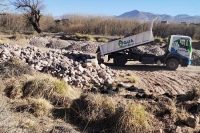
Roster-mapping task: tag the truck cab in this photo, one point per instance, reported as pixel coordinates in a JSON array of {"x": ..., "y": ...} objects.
[{"x": 179, "y": 52}]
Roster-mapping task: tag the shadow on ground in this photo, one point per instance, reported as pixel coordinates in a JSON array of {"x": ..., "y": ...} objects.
[{"x": 137, "y": 67}]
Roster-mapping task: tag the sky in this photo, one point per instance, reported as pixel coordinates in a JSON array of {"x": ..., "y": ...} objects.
[{"x": 117, "y": 7}]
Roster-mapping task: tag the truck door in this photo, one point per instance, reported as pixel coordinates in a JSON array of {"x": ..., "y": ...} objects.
[{"x": 182, "y": 46}]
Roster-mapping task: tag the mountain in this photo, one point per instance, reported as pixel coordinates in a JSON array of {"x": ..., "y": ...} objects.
[{"x": 146, "y": 16}]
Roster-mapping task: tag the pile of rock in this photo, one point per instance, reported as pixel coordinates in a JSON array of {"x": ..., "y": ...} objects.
[
  {"x": 149, "y": 49},
  {"x": 49, "y": 42},
  {"x": 39, "y": 41},
  {"x": 55, "y": 43},
  {"x": 87, "y": 47},
  {"x": 90, "y": 48},
  {"x": 76, "y": 68}
]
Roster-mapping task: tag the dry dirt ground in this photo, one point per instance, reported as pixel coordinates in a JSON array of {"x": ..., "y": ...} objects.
[
  {"x": 158, "y": 80},
  {"x": 150, "y": 79}
]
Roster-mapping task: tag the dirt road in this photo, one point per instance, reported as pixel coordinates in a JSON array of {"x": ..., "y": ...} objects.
[{"x": 156, "y": 79}]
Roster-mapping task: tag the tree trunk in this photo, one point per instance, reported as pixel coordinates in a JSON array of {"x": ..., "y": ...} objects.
[
  {"x": 36, "y": 27},
  {"x": 35, "y": 22}
]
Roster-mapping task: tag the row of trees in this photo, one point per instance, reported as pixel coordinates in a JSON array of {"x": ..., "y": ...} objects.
[{"x": 33, "y": 20}]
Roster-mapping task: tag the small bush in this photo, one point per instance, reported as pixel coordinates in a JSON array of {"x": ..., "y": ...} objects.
[
  {"x": 41, "y": 86},
  {"x": 93, "y": 110},
  {"x": 38, "y": 107},
  {"x": 14, "y": 67},
  {"x": 53, "y": 89},
  {"x": 133, "y": 119}
]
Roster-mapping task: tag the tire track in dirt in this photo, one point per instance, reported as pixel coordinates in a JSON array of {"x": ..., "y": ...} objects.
[
  {"x": 174, "y": 82},
  {"x": 164, "y": 81}
]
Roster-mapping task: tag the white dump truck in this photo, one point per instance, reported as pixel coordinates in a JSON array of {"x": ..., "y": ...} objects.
[{"x": 179, "y": 50}]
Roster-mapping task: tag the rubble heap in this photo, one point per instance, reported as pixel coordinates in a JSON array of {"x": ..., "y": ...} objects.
[
  {"x": 74, "y": 67},
  {"x": 55, "y": 43}
]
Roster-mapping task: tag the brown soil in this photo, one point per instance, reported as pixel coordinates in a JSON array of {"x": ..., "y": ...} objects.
[{"x": 158, "y": 80}]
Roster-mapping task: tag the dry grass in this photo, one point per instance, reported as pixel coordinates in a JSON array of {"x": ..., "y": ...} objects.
[
  {"x": 182, "y": 115},
  {"x": 133, "y": 79},
  {"x": 12, "y": 23},
  {"x": 45, "y": 85},
  {"x": 8, "y": 121},
  {"x": 2, "y": 86},
  {"x": 93, "y": 112},
  {"x": 18, "y": 38},
  {"x": 133, "y": 119},
  {"x": 38, "y": 107},
  {"x": 84, "y": 37},
  {"x": 129, "y": 78},
  {"x": 27, "y": 123},
  {"x": 92, "y": 107},
  {"x": 14, "y": 67},
  {"x": 39, "y": 85},
  {"x": 102, "y": 39},
  {"x": 53, "y": 89}
]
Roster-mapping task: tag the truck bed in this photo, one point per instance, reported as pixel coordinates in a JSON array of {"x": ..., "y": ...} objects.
[{"x": 127, "y": 42}]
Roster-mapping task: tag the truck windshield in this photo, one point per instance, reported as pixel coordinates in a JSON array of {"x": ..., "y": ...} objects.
[{"x": 184, "y": 43}]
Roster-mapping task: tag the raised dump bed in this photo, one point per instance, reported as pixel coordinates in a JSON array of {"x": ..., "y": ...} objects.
[{"x": 126, "y": 43}]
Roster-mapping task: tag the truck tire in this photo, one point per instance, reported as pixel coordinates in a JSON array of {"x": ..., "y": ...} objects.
[
  {"x": 172, "y": 64},
  {"x": 119, "y": 60}
]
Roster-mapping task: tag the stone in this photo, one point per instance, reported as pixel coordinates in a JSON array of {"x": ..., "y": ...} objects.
[
  {"x": 103, "y": 66},
  {"x": 66, "y": 79},
  {"x": 80, "y": 68},
  {"x": 124, "y": 85},
  {"x": 109, "y": 81},
  {"x": 37, "y": 67},
  {"x": 16, "y": 53},
  {"x": 178, "y": 130},
  {"x": 159, "y": 131},
  {"x": 192, "y": 121},
  {"x": 86, "y": 65},
  {"x": 102, "y": 74}
]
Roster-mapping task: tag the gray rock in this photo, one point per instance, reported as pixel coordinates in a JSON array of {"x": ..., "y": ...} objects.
[
  {"x": 192, "y": 121},
  {"x": 178, "y": 130}
]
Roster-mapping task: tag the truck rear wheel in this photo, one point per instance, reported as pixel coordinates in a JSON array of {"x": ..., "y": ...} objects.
[
  {"x": 172, "y": 64},
  {"x": 119, "y": 61}
]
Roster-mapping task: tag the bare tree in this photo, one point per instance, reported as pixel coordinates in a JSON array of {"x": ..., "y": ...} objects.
[{"x": 32, "y": 10}]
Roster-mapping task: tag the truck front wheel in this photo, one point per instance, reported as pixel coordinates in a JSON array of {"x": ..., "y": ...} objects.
[
  {"x": 172, "y": 64},
  {"x": 119, "y": 61}
]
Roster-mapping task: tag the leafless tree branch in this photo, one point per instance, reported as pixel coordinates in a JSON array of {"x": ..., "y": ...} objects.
[{"x": 32, "y": 10}]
